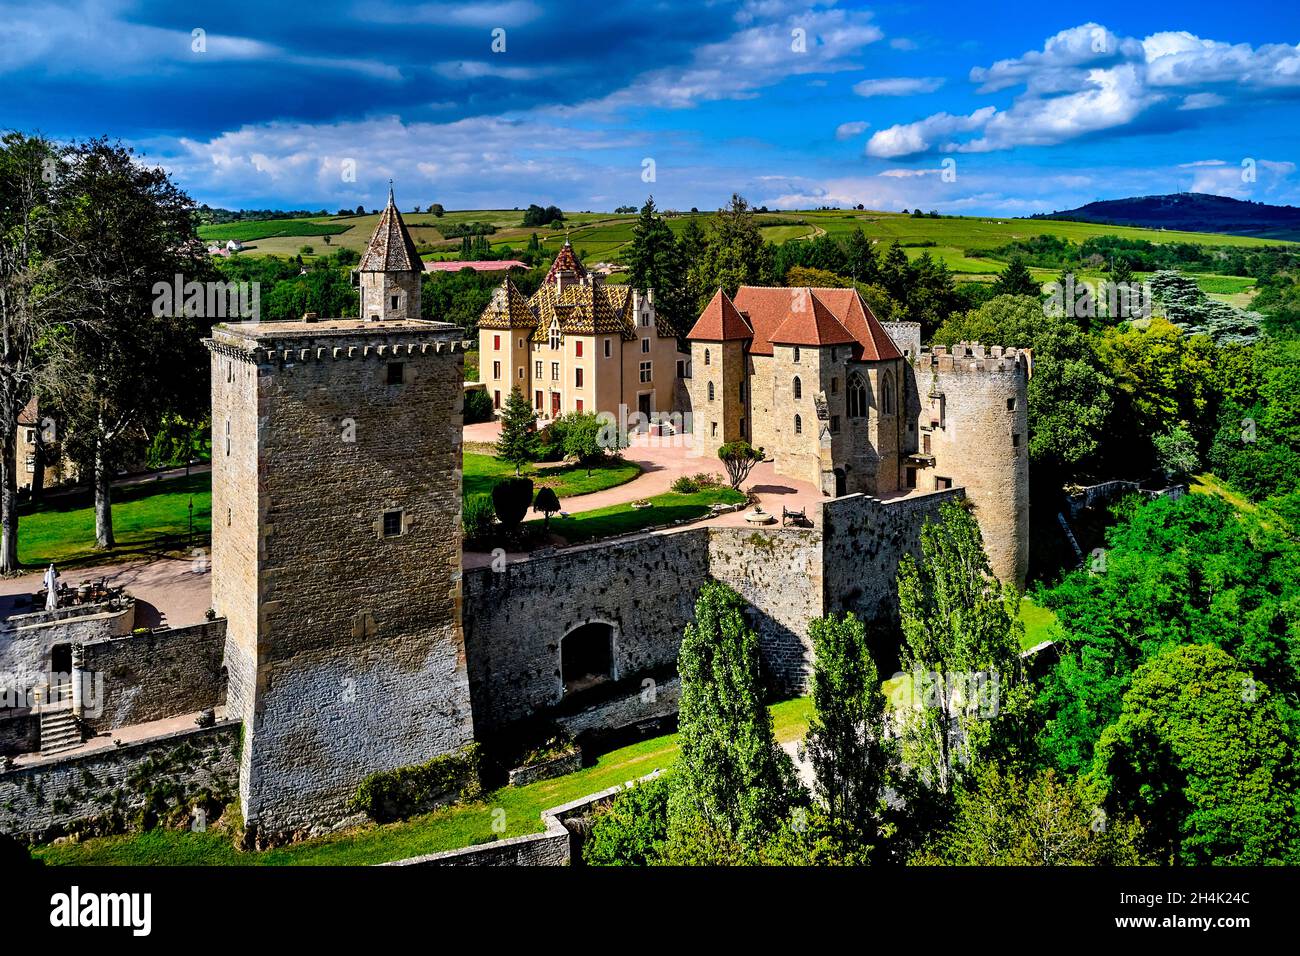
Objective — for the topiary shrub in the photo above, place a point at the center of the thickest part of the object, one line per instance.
(478, 407)
(548, 503)
(512, 497)
(477, 516)
(396, 794)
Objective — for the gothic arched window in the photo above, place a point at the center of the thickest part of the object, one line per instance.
(887, 393)
(710, 391)
(798, 387)
(857, 396)
(798, 425)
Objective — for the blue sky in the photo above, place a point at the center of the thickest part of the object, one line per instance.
(974, 108)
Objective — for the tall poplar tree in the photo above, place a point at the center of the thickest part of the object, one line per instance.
(731, 772)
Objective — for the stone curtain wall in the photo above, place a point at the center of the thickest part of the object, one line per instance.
(151, 676)
(864, 539)
(107, 790)
(516, 618)
(645, 587)
(779, 572)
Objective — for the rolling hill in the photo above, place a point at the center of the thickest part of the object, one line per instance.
(1192, 212)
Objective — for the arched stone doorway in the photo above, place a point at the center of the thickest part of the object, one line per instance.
(587, 656)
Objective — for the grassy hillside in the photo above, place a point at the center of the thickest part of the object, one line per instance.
(961, 243)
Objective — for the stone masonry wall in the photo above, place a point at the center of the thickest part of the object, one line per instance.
(515, 619)
(26, 640)
(865, 538)
(779, 572)
(106, 789)
(151, 676)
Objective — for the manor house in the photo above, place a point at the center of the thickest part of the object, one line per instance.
(579, 345)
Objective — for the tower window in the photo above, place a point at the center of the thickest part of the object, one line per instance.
(1011, 404)
(1015, 441)
(796, 353)
(798, 387)
(395, 372)
(227, 436)
(395, 300)
(392, 523)
(798, 425)
(609, 347)
(710, 391)
(857, 398)
(645, 345)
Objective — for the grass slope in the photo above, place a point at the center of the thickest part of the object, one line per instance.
(464, 825)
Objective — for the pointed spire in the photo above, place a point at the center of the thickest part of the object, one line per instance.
(391, 248)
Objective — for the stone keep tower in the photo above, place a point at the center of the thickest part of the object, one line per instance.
(719, 386)
(390, 271)
(336, 495)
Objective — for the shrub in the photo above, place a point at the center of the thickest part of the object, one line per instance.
(512, 497)
(632, 829)
(701, 481)
(478, 407)
(478, 515)
(396, 794)
(547, 502)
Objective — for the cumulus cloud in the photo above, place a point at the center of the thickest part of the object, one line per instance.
(906, 139)
(1087, 80)
(898, 86)
(851, 129)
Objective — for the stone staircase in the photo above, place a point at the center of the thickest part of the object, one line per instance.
(59, 732)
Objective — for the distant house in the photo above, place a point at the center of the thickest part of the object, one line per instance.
(37, 441)
(478, 265)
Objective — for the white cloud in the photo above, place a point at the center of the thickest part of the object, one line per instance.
(1088, 79)
(908, 173)
(898, 86)
(851, 129)
(1202, 101)
(908, 138)
(902, 43)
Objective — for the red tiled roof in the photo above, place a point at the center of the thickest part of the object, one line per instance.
(478, 265)
(720, 322)
(566, 260)
(812, 316)
(810, 323)
(853, 311)
(390, 248)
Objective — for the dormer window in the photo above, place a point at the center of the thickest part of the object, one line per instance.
(555, 335)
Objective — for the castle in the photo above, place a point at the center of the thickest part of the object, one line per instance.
(348, 636)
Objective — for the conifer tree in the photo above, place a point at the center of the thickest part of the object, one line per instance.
(1016, 279)
(518, 441)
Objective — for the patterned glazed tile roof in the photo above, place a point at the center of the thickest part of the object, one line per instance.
(720, 322)
(391, 248)
(566, 260)
(508, 309)
(583, 309)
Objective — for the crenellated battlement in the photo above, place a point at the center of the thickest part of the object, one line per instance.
(974, 357)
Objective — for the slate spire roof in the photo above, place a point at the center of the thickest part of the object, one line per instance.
(391, 248)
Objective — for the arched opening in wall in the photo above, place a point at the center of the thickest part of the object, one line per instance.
(587, 657)
(841, 483)
(887, 389)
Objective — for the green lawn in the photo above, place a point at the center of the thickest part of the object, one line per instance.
(483, 471)
(447, 829)
(62, 528)
(622, 519)
(1038, 622)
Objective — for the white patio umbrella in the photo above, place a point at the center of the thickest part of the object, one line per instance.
(51, 588)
